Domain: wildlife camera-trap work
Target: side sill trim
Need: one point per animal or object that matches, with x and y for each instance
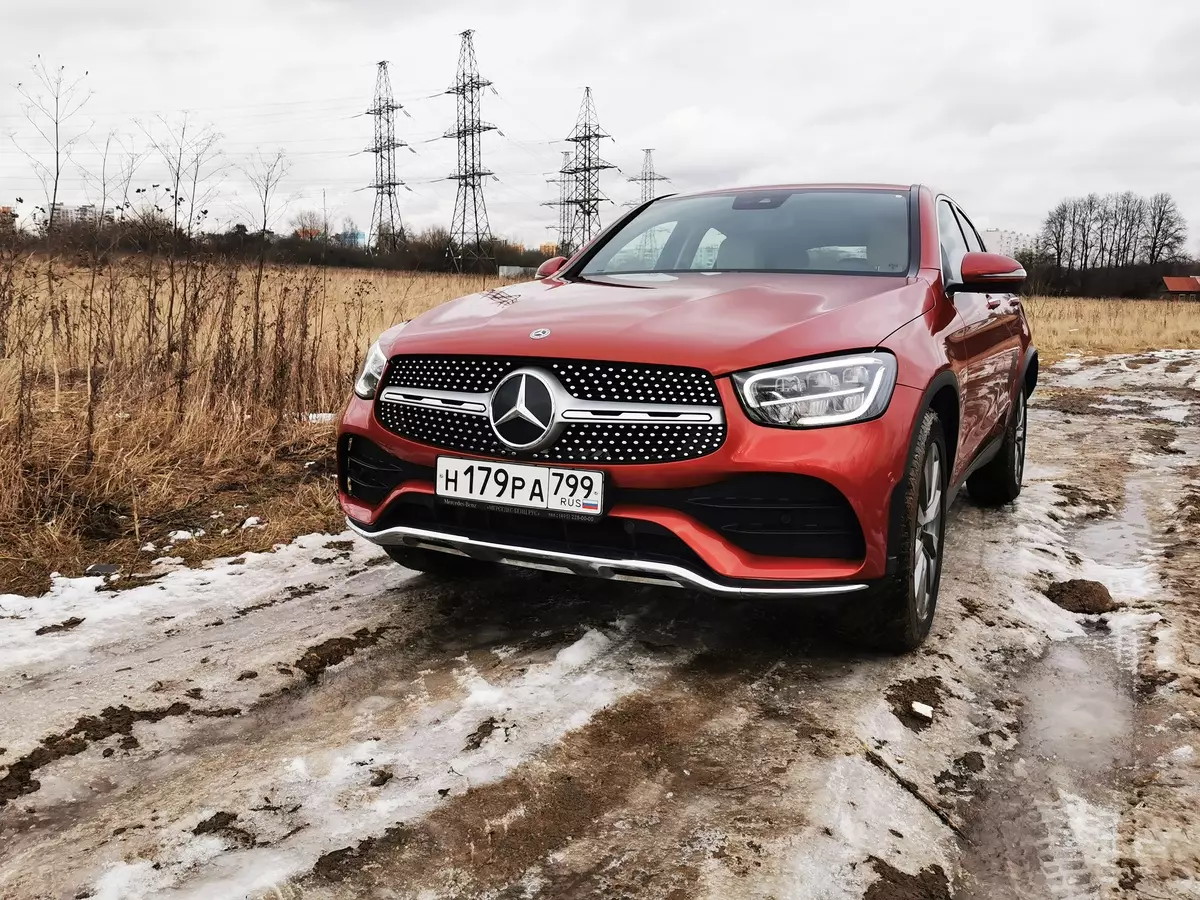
(645, 571)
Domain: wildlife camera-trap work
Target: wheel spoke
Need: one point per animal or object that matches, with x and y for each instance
(920, 571)
(929, 513)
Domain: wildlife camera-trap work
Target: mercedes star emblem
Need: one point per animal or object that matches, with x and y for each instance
(522, 409)
(539, 333)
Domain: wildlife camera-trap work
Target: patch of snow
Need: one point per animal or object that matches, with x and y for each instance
(1172, 410)
(180, 536)
(181, 589)
(253, 522)
(149, 547)
(1093, 831)
(320, 418)
(1183, 754)
(858, 803)
(128, 880)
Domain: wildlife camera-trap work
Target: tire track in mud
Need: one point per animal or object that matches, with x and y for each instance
(1085, 816)
(623, 786)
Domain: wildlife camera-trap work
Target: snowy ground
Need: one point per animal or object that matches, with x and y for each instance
(318, 723)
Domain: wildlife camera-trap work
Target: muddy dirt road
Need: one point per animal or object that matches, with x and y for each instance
(318, 723)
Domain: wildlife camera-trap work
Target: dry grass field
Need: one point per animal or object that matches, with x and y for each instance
(138, 400)
(1096, 326)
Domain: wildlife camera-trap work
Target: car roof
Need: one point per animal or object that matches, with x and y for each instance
(855, 186)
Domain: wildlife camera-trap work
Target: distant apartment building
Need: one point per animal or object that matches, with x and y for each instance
(1008, 243)
(349, 238)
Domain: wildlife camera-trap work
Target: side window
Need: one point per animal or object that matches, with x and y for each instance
(954, 247)
(642, 252)
(974, 242)
(706, 252)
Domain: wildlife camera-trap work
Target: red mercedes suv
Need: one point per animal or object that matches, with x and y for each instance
(769, 391)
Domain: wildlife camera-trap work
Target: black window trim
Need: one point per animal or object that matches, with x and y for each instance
(575, 269)
(954, 214)
(963, 217)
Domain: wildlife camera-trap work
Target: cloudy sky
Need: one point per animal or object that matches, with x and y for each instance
(1007, 106)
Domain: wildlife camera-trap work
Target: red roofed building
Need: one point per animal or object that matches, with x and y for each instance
(1181, 287)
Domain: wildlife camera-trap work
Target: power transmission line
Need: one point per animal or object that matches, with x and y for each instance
(387, 230)
(565, 209)
(470, 231)
(585, 169)
(647, 178)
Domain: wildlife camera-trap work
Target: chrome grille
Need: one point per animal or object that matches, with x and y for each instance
(670, 414)
(612, 382)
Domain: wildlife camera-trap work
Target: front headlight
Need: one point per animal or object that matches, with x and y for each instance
(368, 381)
(829, 391)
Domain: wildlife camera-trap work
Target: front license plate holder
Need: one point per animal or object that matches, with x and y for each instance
(577, 492)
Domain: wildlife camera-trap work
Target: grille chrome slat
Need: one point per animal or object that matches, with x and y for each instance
(615, 413)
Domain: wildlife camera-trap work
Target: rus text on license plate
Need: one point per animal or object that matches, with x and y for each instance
(533, 487)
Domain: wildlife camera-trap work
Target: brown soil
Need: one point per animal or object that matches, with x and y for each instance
(1138, 361)
(1189, 506)
(329, 653)
(1160, 440)
(1073, 403)
(892, 884)
(19, 779)
(221, 823)
(959, 779)
(1075, 496)
(216, 822)
(476, 738)
(1079, 595)
(70, 623)
(928, 690)
(1086, 402)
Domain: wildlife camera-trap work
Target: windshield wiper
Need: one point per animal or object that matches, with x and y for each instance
(586, 280)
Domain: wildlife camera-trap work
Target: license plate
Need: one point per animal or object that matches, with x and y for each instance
(532, 487)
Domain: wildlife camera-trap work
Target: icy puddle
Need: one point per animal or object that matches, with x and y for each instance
(1048, 827)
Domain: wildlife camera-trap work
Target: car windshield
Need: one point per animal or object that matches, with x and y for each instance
(828, 231)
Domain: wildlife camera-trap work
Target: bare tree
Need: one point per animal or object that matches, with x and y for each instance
(191, 158)
(310, 224)
(52, 103)
(1055, 231)
(1165, 231)
(265, 175)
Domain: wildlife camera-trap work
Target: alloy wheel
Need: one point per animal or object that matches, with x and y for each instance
(927, 553)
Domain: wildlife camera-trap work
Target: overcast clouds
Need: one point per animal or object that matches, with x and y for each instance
(1008, 107)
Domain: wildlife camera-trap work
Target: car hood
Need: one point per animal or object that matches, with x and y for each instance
(720, 322)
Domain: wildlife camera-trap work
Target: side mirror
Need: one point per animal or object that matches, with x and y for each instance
(550, 266)
(985, 272)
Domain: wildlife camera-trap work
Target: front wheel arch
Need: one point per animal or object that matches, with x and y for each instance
(942, 396)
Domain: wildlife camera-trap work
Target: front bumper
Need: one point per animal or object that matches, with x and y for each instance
(864, 462)
(613, 568)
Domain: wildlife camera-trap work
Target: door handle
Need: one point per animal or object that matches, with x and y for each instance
(993, 302)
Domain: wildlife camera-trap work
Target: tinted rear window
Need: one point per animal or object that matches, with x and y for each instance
(864, 232)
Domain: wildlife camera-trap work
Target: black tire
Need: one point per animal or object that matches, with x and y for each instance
(443, 565)
(897, 616)
(999, 481)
